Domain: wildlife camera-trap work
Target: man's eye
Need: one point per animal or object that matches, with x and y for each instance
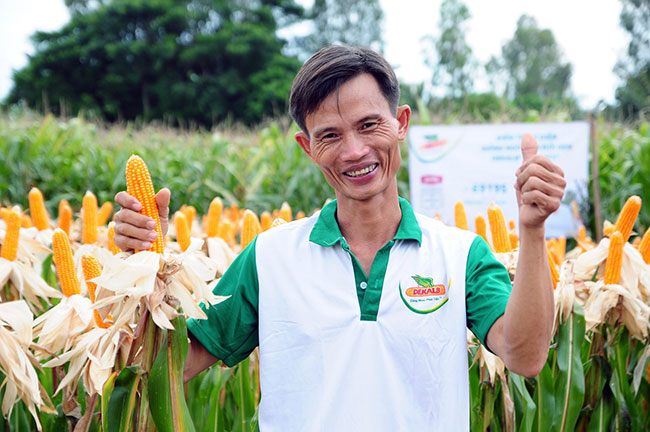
(369, 125)
(329, 136)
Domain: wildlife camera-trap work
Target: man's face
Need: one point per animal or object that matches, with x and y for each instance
(354, 139)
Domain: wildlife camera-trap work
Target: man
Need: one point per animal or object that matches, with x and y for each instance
(328, 298)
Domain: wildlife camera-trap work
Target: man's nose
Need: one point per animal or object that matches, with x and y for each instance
(354, 147)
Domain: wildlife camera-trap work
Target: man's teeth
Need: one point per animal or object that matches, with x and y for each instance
(361, 172)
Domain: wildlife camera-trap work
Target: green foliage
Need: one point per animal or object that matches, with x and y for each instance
(452, 65)
(633, 95)
(531, 62)
(343, 22)
(196, 61)
(624, 164)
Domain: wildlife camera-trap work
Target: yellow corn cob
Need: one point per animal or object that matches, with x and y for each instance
(37, 209)
(481, 227)
(26, 221)
(111, 239)
(214, 216)
(636, 242)
(89, 205)
(92, 269)
(251, 228)
(551, 247)
(500, 238)
(627, 216)
(285, 212)
(437, 217)
(460, 218)
(4, 213)
(182, 230)
(9, 247)
(511, 225)
(614, 258)
(234, 214)
(265, 220)
(190, 214)
(514, 239)
(64, 264)
(275, 214)
(555, 274)
(226, 231)
(300, 215)
(277, 222)
(644, 246)
(139, 185)
(561, 248)
(608, 228)
(582, 234)
(104, 213)
(65, 216)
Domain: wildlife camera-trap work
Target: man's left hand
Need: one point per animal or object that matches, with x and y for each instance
(540, 185)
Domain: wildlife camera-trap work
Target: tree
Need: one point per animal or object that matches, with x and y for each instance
(453, 66)
(634, 95)
(532, 62)
(201, 61)
(343, 22)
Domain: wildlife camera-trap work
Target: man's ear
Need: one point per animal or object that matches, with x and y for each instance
(304, 142)
(403, 117)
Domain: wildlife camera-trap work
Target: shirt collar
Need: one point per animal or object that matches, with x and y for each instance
(326, 231)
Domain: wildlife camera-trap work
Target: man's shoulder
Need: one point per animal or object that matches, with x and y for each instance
(434, 227)
(287, 232)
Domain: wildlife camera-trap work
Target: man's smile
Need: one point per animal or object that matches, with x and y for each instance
(363, 171)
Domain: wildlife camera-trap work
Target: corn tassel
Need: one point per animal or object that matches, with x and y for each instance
(92, 269)
(460, 217)
(64, 263)
(481, 227)
(251, 228)
(214, 216)
(182, 230)
(614, 259)
(627, 216)
(104, 213)
(500, 238)
(285, 212)
(89, 205)
(111, 239)
(9, 248)
(37, 209)
(65, 216)
(265, 220)
(644, 246)
(139, 185)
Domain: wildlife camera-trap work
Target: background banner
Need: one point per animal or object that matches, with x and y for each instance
(476, 164)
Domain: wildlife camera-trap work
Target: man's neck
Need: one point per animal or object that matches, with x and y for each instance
(372, 222)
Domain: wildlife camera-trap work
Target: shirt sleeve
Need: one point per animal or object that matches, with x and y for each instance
(487, 289)
(231, 331)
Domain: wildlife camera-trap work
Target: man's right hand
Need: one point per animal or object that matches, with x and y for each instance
(134, 231)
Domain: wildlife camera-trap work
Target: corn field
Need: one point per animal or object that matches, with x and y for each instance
(95, 339)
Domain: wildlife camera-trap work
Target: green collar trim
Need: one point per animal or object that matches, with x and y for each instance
(326, 231)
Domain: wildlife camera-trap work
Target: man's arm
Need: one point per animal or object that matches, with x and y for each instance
(522, 335)
(198, 359)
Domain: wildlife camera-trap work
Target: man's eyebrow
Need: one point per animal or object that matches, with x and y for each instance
(322, 131)
(368, 117)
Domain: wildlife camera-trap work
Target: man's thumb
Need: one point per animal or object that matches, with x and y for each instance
(528, 146)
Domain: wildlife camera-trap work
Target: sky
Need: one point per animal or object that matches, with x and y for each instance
(587, 31)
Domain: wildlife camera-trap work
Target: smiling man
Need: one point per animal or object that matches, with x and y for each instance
(361, 320)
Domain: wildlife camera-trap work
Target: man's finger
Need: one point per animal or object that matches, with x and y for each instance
(162, 200)
(528, 146)
(127, 201)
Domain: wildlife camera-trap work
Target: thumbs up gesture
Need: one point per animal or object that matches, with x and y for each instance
(540, 185)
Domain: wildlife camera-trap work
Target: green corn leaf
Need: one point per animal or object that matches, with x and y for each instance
(122, 401)
(166, 393)
(601, 417)
(570, 384)
(520, 392)
(544, 400)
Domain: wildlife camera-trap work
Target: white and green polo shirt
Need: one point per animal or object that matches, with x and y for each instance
(344, 351)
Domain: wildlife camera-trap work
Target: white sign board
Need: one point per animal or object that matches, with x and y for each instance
(476, 164)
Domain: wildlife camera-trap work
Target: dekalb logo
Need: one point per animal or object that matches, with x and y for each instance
(426, 297)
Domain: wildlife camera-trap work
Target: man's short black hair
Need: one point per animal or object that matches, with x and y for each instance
(328, 69)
